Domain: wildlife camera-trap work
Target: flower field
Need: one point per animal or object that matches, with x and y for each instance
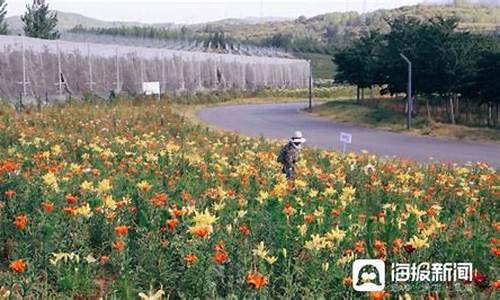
(128, 201)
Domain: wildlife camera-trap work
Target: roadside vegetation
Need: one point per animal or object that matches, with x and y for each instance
(454, 72)
(125, 199)
(388, 114)
(262, 95)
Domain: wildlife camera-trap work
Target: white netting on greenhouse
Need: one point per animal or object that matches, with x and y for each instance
(35, 68)
(184, 45)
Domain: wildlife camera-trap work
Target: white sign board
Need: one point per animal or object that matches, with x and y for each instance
(151, 88)
(346, 137)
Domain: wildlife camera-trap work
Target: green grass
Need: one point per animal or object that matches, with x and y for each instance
(382, 117)
(350, 111)
(322, 64)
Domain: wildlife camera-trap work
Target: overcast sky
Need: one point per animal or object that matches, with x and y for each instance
(189, 11)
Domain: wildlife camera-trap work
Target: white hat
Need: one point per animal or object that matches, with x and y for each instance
(297, 137)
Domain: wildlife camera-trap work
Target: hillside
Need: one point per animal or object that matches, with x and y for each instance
(326, 27)
(243, 21)
(70, 20)
(321, 27)
(317, 38)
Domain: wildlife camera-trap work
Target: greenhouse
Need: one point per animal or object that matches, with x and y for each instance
(36, 68)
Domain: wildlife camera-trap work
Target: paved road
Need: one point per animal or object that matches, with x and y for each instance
(280, 120)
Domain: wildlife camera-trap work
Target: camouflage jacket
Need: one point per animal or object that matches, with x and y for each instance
(288, 155)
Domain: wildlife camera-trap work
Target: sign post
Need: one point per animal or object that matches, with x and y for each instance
(345, 138)
(310, 85)
(151, 88)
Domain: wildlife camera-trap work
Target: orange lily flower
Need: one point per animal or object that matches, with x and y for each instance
(18, 266)
(256, 280)
(21, 221)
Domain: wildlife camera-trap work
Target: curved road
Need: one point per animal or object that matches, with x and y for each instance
(280, 120)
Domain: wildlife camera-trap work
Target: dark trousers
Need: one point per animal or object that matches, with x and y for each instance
(288, 171)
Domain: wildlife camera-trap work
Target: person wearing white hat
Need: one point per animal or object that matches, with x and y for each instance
(289, 154)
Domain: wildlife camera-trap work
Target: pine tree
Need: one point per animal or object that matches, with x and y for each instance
(39, 22)
(3, 11)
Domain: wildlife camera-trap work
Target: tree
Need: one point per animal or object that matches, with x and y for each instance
(485, 85)
(3, 12)
(349, 66)
(403, 38)
(184, 31)
(449, 59)
(39, 22)
(279, 40)
(301, 19)
(448, 63)
(359, 64)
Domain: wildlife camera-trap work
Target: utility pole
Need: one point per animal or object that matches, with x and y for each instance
(410, 99)
(310, 85)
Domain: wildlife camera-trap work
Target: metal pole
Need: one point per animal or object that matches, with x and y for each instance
(91, 82)
(59, 69)
(20, 105)
(163, 79)
(410, 99)
(410, 95)
(24, 83)
(40, 59)
(24, 69)
(142, 71)
(163, 75)
(310, 85)
(104, 76)
(117, 72)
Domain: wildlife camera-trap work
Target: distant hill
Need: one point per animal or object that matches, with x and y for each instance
(244, 21)
(479, 18)
(70, 20)
(325, 26)
(318, 34)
